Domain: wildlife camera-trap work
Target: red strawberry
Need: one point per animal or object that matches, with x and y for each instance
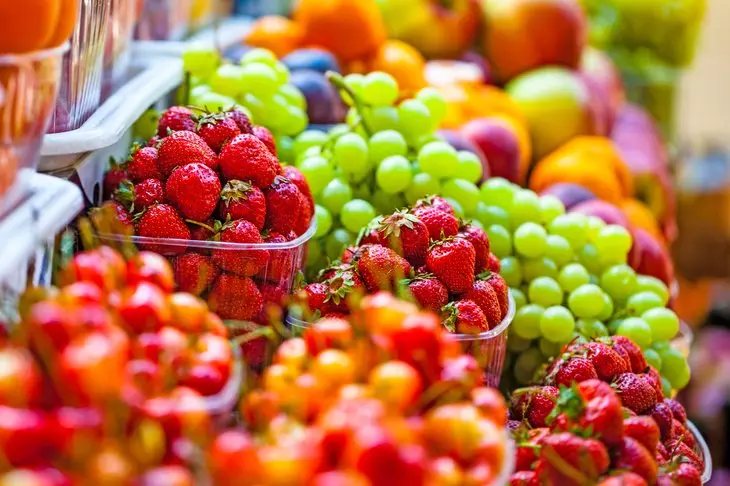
(298, 179)
(301, 225)
(371, 235)
(480, 241)
(263, 134)
(194, 273)
(679, 450)
(143, 165)
(486, 298)
(524, 478)
(534, 404)
(682, 433)
(662, 415)
(652, 375)
(163, 221)
(643, 429)
(381, 268)
(493, 263)
(153, 142)
(405, 234)
(440, 224)
(607, 362)
(204, 231)
(683, 474)
(677, 409)
(246, 158)
(315, 295)
(120, 212)
(241, 262)
(283, 205)
(174, 119)
(636, 392)
(141, 195)
(242, 200)
(597, 407)
(661, 452)
(281, 262)
(634, 457)
(182, 148)
(565, 372)
(234, 297)
(452, 261)
(347, 254)
(566, 457)
(624, 479)
(528, 447)
(217, 129)
(341, 284)
(273, 299)
(241, 119)
(195, 189)
(497, 282)
(636, 357)
(112, 180)
(436, 202)
(428, 291)
(465, 317)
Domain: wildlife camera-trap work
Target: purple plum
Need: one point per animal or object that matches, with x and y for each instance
(570, 194)
(324, 105)
(314, 59)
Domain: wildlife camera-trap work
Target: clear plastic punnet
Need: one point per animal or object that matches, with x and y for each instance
(164, 20)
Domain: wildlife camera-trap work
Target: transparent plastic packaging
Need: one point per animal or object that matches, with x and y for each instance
(118, 46)
(220, 405)
(702, 450)
(80, 91)
(166, 20)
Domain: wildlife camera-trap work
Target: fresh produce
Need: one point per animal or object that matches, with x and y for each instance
(383, 399)
(599, 408)
(208, 181)
(50, 25)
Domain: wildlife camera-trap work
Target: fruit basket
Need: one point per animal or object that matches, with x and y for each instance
(703, 450)
(167, 20)
(28, 88)
(80, 91)
(118, 46)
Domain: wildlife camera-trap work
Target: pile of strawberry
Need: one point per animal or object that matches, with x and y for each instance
(215, 177)
(600, 417)
(425, 252)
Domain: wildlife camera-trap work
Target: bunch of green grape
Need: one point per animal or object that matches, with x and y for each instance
(259, 84)
(570, 280)
(386, 156)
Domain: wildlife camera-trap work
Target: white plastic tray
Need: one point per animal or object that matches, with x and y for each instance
(150, 81)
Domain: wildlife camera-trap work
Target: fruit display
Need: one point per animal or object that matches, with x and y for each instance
(599, 416)
(209, 192)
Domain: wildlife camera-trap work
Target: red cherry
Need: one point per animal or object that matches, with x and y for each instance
(234, 460)
(144, 308)
(152, 268)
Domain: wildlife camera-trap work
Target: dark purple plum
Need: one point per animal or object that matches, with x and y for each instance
(324, 105)
(236, 52)
(314, 59)
(570, 194)
(460, 142)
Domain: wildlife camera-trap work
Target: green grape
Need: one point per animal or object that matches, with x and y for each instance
(292, 94)
(469, 167)
(335, 195)
(394, 174)
(307, 139)
(550, 208)
(381, 118)
(558, 249)
(519, 297)
(578, 338)
(356, 214)
(645, 283)
(653, 358)
(663, 322)
(549, 349)
(379, 89)
(557, 324)
(282, 74)
(201, 61)
(284, 146)
(666, 388)
(526, 323)
(612, 326)
(527, 364)
(256, 107)
(228, 80)
(637, 330)
(674, 367)
(573, 227)
(434, 101)
(456, 206)
(355, 82)
(415, 119)
(613, 244)
(350, 155)
(591, 328)
(641, 302)
(533, 268)
(530, 240)
(146, 126)
(318, 172)
(545, 291)
(500, 240)
(314, 151)
(607, 311)
(259, 55)
(337, 242)
(489, 215)
(573, 276)
(296, 122)
(478, 224)
(464, 192)
(586, 301)
(424, 140)
(619, 281)
(315, 252)
(422, 185)
(382, 202)
(511, 271)
(595, 225)
(525, 207)
(259, 79)
(385, 144)
(588, 257)
(438, 159)
(515, 343)
(199, 90)
(498, 192)
(324, 221)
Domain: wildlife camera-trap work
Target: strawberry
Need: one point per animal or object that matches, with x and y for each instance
(273, 299)
(566, 459)
(175, 119)
(678, 450)
(241, 262)
(341, 284)
(465, 317)
(683, 474)
(634, 457)
(644, 430)
(246, 158)
(194, 273)
(682, 433)
(486, 298)
(436, 202)
(493, 263)
(347, 254)
(113, 179)
(154, 142)
(428, 291)
(480, 241)
(281, 262)
(605, 360)
(121, 213)
(440, 224)
(591, 405)
(241, 119)
(182, 148)
(497, 282)
(194, 189)
(662, 415)
(566, 371)
(380, 268)
(204, 231)
(371, 235)
(636, 392)
(143, 165)
(652, 375)
(234, 297)
(624, 479)
(140, 196)
(263, 134)
(452, 261)
(301, 225)
(242, 200)
(217, 129)
(528, 447)
(298, 179)
(534, 404)
(163, 221)
(284, 205)
(405, 234)
(314, 296)
(524, 478)
(635, 356)
(677, 409)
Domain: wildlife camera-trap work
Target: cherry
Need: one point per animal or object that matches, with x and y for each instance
(152, 268)
(144, 308)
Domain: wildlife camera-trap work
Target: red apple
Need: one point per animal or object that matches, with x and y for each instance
(499, 143)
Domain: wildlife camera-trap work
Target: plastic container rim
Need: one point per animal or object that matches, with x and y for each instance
(225, 400)
(705, 449)
(39, 55)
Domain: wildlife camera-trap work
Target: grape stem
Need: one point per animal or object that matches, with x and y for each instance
(339, 82)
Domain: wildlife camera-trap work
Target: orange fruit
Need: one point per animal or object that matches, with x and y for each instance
(67, 16)
(278, 34)
(641, 216)
(27, 26)
(401, 61)
(350, 29)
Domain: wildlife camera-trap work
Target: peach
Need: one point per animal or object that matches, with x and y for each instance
(500, 144)
(522, 35)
